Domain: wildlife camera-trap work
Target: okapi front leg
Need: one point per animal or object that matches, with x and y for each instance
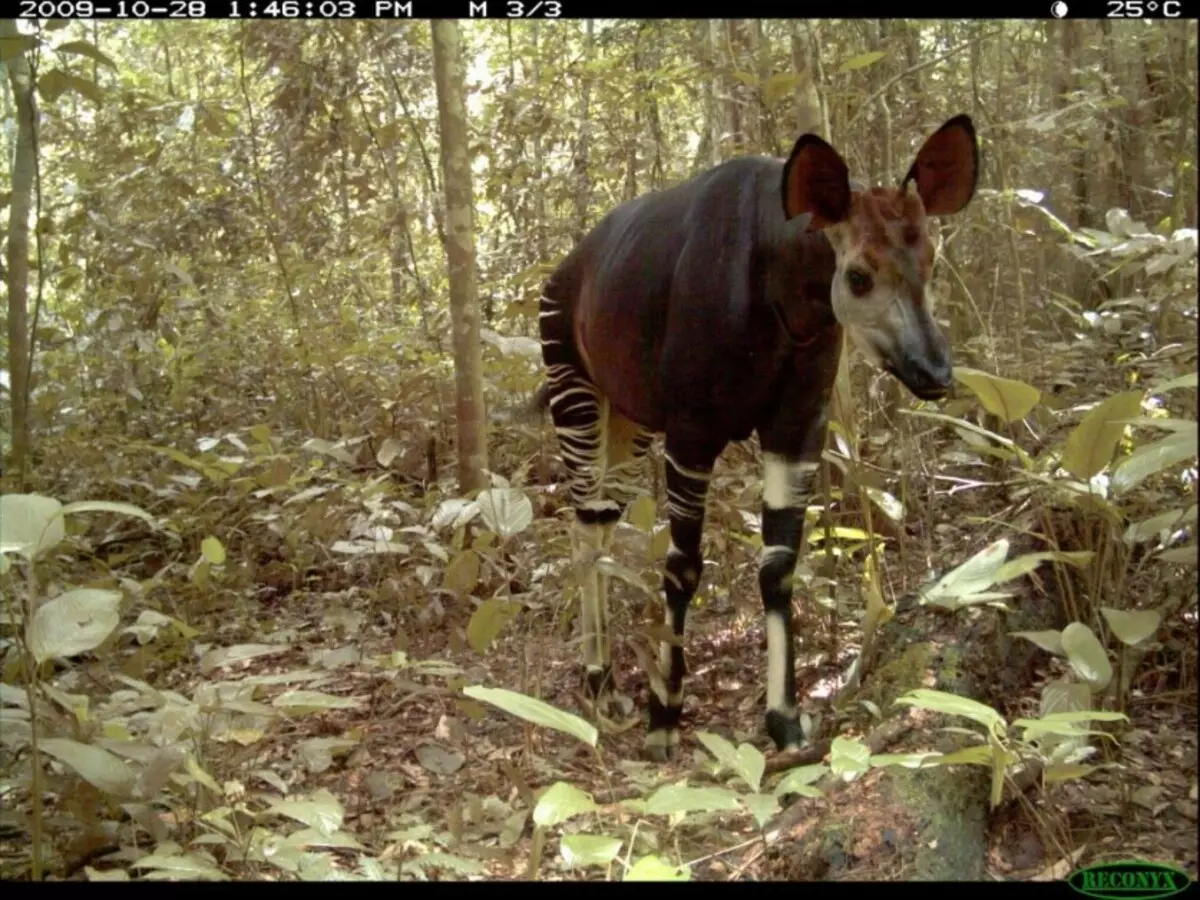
(787, 486)
(687, 488)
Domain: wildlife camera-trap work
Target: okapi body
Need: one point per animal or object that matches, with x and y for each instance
(713, 311)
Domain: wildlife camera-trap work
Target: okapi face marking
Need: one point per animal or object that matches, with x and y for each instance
(880, 237)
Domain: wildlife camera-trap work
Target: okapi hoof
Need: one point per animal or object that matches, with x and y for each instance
(662, 745)
(784, 730)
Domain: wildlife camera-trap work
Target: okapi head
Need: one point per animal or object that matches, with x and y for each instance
(881, 240)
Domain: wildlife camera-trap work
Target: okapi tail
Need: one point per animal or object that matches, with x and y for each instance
(541, 400)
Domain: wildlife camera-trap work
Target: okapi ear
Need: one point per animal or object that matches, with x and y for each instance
(946, 167)
(816, 181)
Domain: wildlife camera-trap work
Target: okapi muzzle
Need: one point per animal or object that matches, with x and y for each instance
(711, 312)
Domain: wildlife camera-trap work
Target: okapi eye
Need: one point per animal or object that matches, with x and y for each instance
(859, 281)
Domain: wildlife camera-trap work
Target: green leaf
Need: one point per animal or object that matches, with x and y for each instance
(73, 623)
(1182, 556)
(800, 781)
(1149, 529)
(848, 758)
(1131, 626)
(588, 849)
(1183, 381)
(1050, 641)
(30, 524)
(506, 511)
(746, 761)
(862, 61)
(673, 799)
(642, 513)
(213, 550)
(88, 49)
(124, 509)
(14, 45)
(777, 87)
(886, 503)
(534, 711)
(954, 705)
(761, 806)
(99, 768)
(301, 703)
(462, 574)
(560, 802)
(906, 760)
(488, 621)
(1153, 458)
(651, 868)
(1064, 695)
(1086, 655)
(56, 82)
(322, 811)
(973, 577)
(1023, 565)
(1091, 445)
(1005, 398)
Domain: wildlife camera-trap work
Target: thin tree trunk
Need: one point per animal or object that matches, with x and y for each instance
(18, 253)
(460, 254)
(583, 147)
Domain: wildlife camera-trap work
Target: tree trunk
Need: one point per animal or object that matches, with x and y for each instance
(808, 98)
(583, 147)
(18, 253)
(460, 255)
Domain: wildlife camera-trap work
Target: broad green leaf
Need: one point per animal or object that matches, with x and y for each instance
(651, 868)
(761, 806)
(800, 781)
(1023, 565)
(886, 503)
(848, 758)
(968, 756)
(213, 550)
(99, 768)
(1151, 459)
(1091, 445)
(1067, 772)
(1183, 381)
(642, 513)
(975, 576)
(746, 761)
(1131, 626)
(588, 849)
(1000, 761)
(90, 50)
(488, 621)
(560, 802)
(673, 799)
(862, 61)
(322, 811)
(1151, 528)
(506, 511)
(73, 623)
(30, 524)
(1050, 641)
(124, 509)
(183, 867)
(614, 569)
(462, 574)
(56, 82)
(954, 705)
(300, 703)
(777, 87)
(238, 653)
(1086, 655)
(1182, 556)
(535, 711)
(660, 543)
(1064, 695)
(1004, 398)
(906, 760)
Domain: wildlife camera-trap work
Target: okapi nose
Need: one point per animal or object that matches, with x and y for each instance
(931, 376)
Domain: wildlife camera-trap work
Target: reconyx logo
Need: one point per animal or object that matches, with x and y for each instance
(1129, 881)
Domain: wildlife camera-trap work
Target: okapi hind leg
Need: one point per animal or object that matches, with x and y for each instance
(688, 474)
(599, 447)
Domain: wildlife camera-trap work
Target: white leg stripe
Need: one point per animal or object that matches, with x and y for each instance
(786, 483)
(777, 665)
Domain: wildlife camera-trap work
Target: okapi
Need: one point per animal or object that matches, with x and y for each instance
(711, 311)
